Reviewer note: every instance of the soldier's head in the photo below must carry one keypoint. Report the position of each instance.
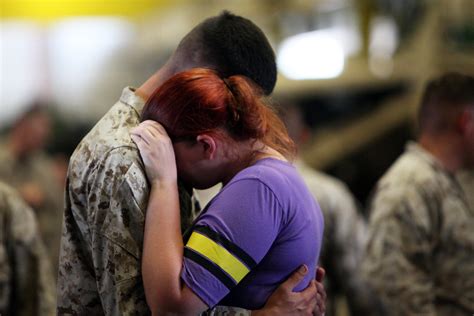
(230, 45)
(447, 111)
(31, 130)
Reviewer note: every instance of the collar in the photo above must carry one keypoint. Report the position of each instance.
(423, 154)
(129, 98)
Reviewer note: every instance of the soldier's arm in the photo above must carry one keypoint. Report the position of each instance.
(346, 241)
(33, 283)
(117, 202)
(397, 262)
(118, 199)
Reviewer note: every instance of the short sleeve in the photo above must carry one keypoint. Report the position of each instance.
(231, 238)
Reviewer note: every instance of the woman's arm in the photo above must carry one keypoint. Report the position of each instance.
(163, 244)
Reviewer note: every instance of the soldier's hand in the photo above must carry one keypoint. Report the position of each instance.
(320, 308)
(286, 302)
(156, 150)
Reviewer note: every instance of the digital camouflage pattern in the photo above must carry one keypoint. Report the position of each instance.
(466, 180)
(27, 286)
(38, 170)
(343, 240)
(106, 198)
(227, 311)
(420, 253)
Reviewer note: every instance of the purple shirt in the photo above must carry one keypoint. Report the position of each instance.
(261, 226)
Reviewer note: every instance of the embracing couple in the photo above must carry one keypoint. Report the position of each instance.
(134, 239)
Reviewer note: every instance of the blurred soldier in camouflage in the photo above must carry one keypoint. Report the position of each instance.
(27, 286)
(344, 227)
(25, 166)
(420, 253)
(107, 189)
(466, 180)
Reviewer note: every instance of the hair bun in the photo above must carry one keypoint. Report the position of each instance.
(245, 107)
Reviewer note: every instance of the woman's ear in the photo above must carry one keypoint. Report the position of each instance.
(208, 144)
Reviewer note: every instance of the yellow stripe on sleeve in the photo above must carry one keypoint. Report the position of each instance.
(218, 255)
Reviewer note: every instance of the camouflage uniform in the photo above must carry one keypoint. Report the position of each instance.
(38, 169)
(26, 280)
(106, 198)
(420, 253)
(466, 180)
(343, 240)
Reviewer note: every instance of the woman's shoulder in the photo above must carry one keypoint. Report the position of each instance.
(268, 170)
(267, 174)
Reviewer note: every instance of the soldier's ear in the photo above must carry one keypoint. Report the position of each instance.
(465, 120)
(208, 145)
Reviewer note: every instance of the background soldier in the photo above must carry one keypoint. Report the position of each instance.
(25, 166)
(344, 227)
(420, 257)
(26, 280)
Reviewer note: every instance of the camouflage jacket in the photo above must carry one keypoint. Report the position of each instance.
(466, 180)
(26, 279)
(420, 252)
(106, 198)
(38, 170)
(343, 240)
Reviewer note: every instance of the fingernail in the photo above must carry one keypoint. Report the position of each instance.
(304, 269)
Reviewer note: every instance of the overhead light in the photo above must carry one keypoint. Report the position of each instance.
(313, 55)
(382, 46)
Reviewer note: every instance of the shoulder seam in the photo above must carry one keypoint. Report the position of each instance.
(263, 183)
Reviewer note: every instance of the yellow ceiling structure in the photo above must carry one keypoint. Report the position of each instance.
(48, 10)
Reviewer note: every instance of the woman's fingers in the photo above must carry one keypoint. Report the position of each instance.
(151, 132)
(141, 143)
(156, 151)
(155, 127)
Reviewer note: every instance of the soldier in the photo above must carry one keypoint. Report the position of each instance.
(466, 180)
(420, 257)
(25, 166)
(26, 280)
(107, 189)
(345, 228)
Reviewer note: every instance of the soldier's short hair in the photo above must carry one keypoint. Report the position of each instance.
(232, 45)
(443, 99)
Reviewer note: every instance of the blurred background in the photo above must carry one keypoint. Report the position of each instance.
(355, 68)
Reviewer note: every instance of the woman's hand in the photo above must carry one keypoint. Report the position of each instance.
(156, 150)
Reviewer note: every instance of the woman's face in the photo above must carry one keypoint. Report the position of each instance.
(192, 166)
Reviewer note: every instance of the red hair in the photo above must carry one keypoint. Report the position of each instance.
(200, 101)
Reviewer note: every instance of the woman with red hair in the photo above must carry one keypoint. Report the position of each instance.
(261, 226)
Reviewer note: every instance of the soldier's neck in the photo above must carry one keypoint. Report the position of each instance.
(447, 150)
(154, 82)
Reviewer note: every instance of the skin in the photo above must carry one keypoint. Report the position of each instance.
(453, 147)
(203, 163)
(177, 64)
